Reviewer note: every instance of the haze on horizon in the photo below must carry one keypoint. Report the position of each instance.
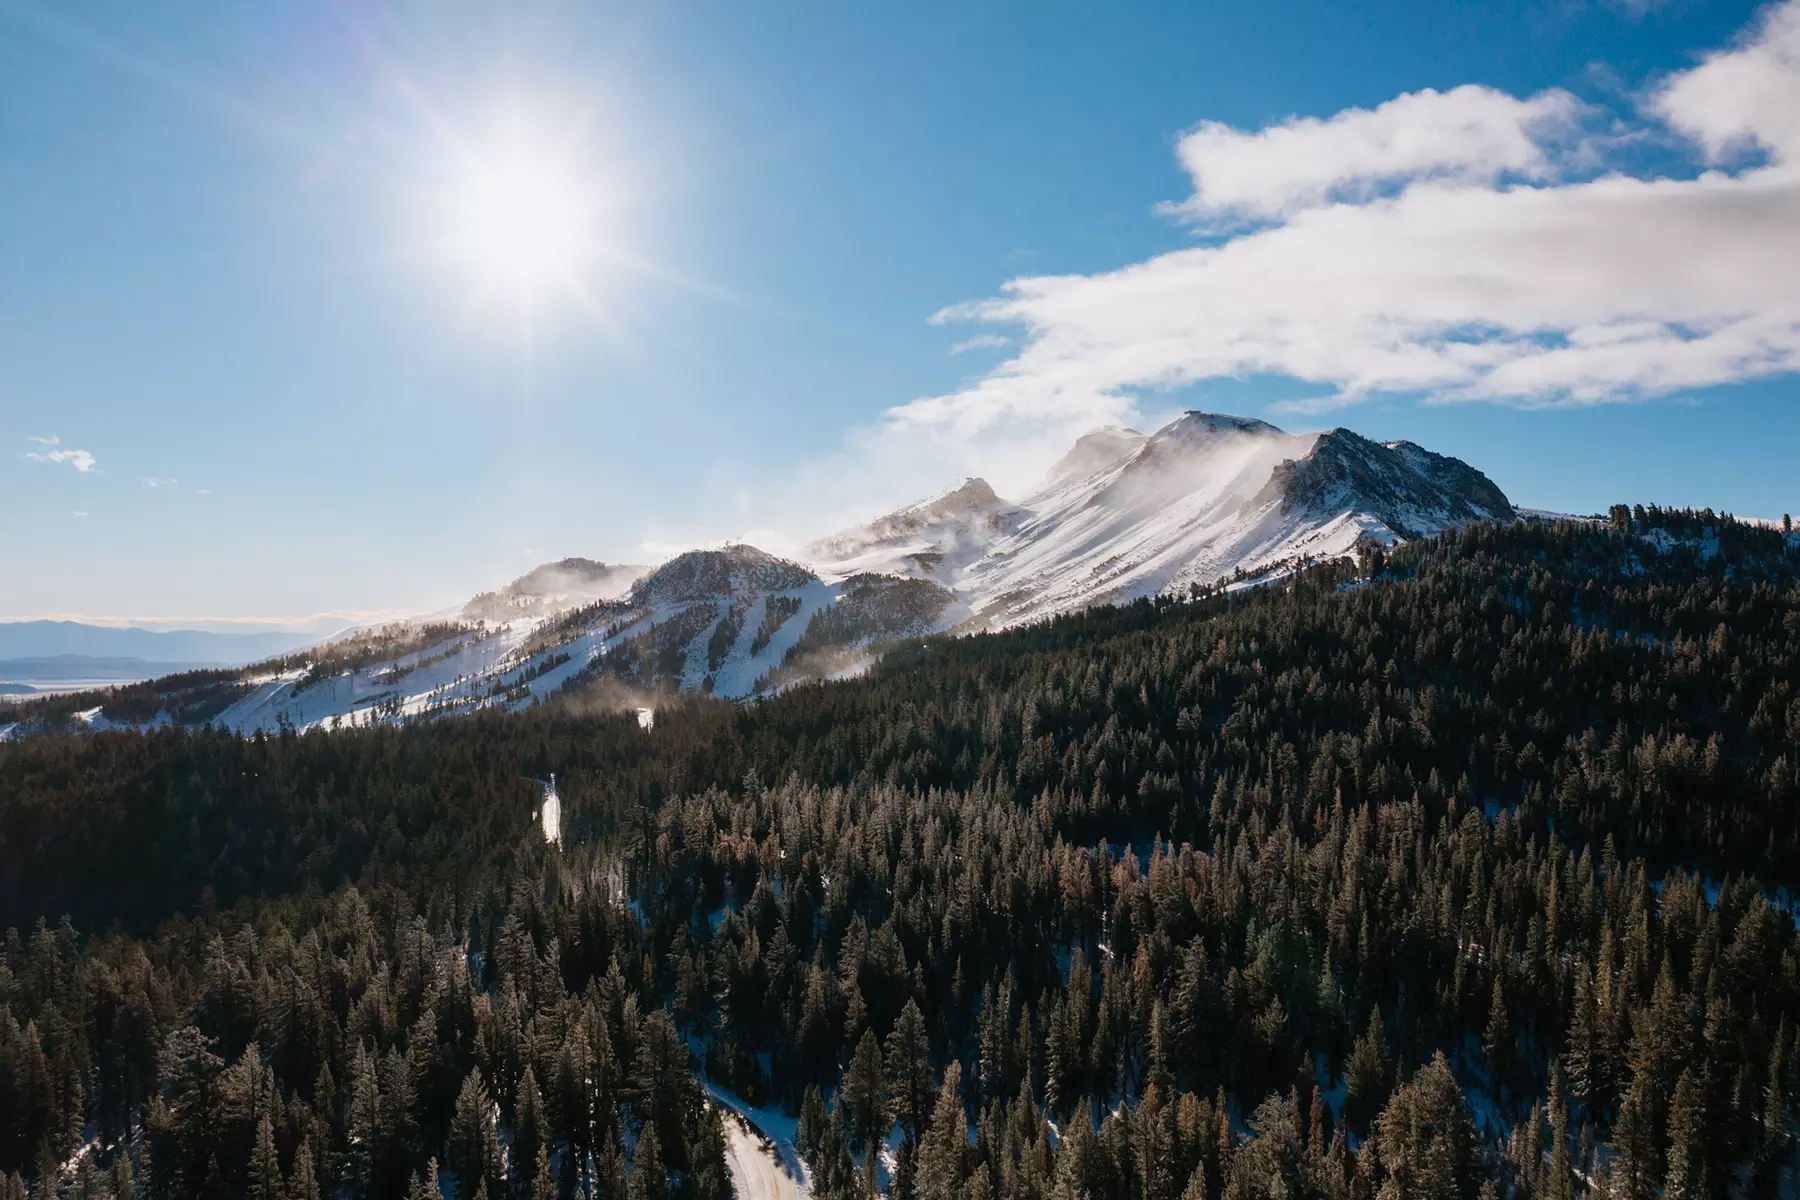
(316, 315)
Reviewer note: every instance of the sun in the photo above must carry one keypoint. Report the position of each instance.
(521, 224)
(524, 219)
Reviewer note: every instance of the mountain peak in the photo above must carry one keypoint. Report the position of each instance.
(1196, 421)
(1408, 488)
(552, 587)
(708, 574)
(1095, 450)
(974, 492)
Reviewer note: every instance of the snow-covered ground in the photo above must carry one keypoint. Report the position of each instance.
(759, 1148)
(551, 813)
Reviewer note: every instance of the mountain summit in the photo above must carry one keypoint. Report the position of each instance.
(1209, 498)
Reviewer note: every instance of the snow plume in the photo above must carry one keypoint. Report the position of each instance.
(1458, 245)
(81, 460)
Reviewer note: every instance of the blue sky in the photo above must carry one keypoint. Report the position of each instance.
(221, 275)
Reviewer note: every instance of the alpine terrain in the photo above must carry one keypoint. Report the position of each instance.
(1207, 502)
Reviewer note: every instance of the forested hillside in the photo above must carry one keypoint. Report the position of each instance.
(1459, 871)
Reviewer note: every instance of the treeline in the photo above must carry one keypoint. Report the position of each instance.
(1462, 871)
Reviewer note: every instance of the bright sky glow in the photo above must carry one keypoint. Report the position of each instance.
(524, 220)
(325, 308)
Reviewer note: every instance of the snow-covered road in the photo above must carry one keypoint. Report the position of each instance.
(756, 1171)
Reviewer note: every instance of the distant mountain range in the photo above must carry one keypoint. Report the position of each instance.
(1207, 501)
(49, 639)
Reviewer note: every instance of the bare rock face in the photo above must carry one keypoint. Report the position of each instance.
(1406, 487)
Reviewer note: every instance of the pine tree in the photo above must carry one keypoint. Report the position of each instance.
(543, 1182)
(1077, 1163)
(471, 1133)
(265, 1170)
(1425, 1138)
(809, 1130)
(865, 1095)
(528, 1127)
(709, 1177)
(909, 1071)
(1634, 1163)
(944, 1150)
(1063, 1061)
(364, 1128)
(1368, 1078)
(649, 1177)
(1498, 1042)
(302, 1183)
(1685, 1177)
(122, 1186)
(1152, 1146)
(1559, 1183)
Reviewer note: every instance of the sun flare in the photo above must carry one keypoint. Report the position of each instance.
(524, 221)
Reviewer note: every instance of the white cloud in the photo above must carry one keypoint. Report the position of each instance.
(78, 512)
(151, 481)
(1437, 245)
(1747, 95)
(81, 460)
(1469, 134)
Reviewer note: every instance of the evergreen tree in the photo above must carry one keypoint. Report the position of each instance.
(910, 1085)
(302, 1183)
(1685, 1177)
(528, 1128)
(1368, 1077)
(265, 1170)
(1498, 1042)
(1425, 1138)
(649, 1177)
(472, 1135)
(543, 1182)
(944, 1150)
(865, 1095)
(1634, 1166)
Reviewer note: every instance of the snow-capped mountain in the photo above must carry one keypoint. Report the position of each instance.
(733, 622)
(552, 588)
(937, 538)
(1207, 500)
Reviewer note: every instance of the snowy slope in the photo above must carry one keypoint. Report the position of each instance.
(732, 622)
(1208, 500)
(935, 539)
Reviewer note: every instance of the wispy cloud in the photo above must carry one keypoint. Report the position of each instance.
(981, 341)
(81, 460)
(1457, 245)
(151, 481)
(78, 513)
